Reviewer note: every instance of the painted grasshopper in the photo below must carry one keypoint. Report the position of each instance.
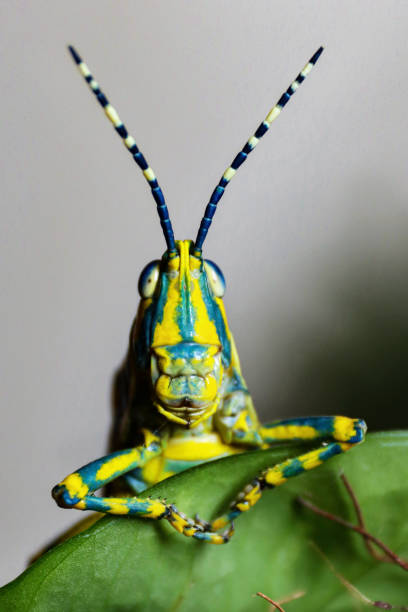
(184, 400)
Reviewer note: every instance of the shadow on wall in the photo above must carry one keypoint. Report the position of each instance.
(362, 369)
(354, 359)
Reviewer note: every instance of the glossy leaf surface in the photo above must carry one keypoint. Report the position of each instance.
(123, 564)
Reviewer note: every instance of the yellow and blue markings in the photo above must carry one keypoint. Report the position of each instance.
(181, 397)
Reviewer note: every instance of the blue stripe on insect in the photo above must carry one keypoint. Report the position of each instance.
(182, 378)
(263, 128)
(293, 469)
(137, 506)
(121, 130)
(215, 315)
(330, 451)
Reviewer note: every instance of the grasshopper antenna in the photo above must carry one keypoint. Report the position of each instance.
(243, 154)
(130, 144)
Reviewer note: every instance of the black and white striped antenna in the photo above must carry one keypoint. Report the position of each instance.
(130, 144)
(243, 154)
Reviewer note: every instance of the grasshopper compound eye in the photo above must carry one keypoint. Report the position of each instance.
(215, 277)
(148, 279)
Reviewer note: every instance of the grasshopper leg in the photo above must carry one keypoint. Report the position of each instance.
(76, 491)
(343, 433)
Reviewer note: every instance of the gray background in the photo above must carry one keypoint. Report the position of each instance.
(311, 234)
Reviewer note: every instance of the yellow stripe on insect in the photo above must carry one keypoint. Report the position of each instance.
(129, 141)
(83, 69)
(75, 485)
(253, 141)
(273, 113)
(242, 506)
(117, 505)
(217, 539)
(117, 464)
(344, 428)
(248, 498)
(198, 448)
(253, 496)
(150, 437)
(170, 415)
(112, 114)
(149, 174)
(154, 472)
(274, 477)
(289, 432)
(345, 447)
(156, 509)
(219, 523)
(190, 531)
(306, 69)
(178, 522)
(311, 460)
(167, 332)
(229, 173)
(205, 330)
(242, 423)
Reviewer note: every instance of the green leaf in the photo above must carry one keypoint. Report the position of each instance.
(125, 564)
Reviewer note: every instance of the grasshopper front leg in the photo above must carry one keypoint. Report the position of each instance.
(76, 491)
(342, 432)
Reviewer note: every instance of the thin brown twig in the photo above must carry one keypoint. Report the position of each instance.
(292, 597)
(274, 603)
(289, 598)
(361, 530)
(360, 518)
(350, 587)
(354, 590)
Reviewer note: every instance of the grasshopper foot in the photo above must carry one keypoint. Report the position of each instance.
(198, 529)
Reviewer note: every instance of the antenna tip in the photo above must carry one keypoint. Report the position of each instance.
(316, 55)
(75, 56)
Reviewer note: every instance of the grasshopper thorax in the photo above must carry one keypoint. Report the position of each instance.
(181, 334)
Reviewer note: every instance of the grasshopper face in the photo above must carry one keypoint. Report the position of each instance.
(181, 335)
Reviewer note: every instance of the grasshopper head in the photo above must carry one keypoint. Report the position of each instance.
(182, 334)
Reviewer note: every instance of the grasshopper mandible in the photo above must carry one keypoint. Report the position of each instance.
(184, 400)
